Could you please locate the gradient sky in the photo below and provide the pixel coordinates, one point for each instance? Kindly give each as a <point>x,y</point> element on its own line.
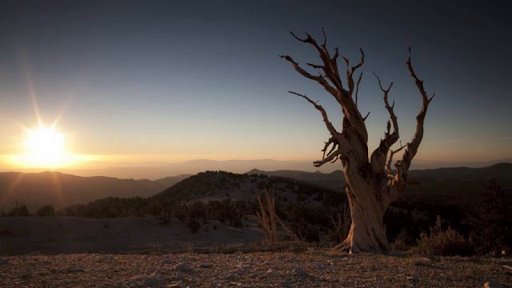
<point>156,81</point>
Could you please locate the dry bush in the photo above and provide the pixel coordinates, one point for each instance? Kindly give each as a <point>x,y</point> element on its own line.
<point>492,221</point>
<point>399,245</point>
<point>193,225</point>
<point>340,221</point>
<point>46,211</point>
<point>441,242</point>
<point>417,261</point>
<point>269,221</point>
<point>403,241</point>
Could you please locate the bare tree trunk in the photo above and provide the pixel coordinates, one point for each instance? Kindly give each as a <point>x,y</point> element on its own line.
<point>367,231</point>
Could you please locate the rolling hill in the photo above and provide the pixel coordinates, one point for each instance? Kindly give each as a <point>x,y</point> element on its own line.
<point>58,189</point>
<point>219,185</point>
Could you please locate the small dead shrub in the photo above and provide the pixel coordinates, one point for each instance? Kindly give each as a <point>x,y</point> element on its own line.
<point>46,211</point>
<point>193,225</point>
<point>164,220</point>
<point>441,242</point>
<point>399,245</point>
<point>403,241</point>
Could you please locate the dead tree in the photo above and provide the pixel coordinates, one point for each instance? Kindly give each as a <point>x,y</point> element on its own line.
<point>372,185</point>
<point>269,220</point>
<point>266,217</point>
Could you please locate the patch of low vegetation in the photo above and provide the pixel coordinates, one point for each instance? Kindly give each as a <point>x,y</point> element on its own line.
<point>491,221</point>
<point>5,232</point>
<point>46,211</point>
<point>193,225</point>
<point>19,210</point>
<point>443,242</point>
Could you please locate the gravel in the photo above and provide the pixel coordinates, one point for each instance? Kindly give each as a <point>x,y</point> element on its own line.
<point>316,268</point>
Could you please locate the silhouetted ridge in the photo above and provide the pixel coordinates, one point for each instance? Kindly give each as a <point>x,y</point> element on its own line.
<point>217,185</point>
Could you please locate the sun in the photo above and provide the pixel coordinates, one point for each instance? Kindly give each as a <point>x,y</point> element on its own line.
<point>45,148</point>
<point>45,142</point>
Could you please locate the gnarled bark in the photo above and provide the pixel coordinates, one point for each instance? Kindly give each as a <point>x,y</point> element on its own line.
<point>372,185</point>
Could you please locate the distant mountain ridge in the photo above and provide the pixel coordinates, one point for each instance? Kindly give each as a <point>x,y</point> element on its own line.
<point>160,170</point>
<point>58,189</point>
<point>333,180</point>
<point>459,184</point>
<point>443,185</point>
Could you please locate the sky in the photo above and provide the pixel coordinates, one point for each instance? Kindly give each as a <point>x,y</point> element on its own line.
<point>138,82</point>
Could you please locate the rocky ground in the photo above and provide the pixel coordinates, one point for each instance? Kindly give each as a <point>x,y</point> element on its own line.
<point>313,268</point>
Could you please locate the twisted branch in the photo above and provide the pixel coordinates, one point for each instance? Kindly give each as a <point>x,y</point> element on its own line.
<point>400,180</point>
<point>379,155</point>
<point>319,107</point>
<point>391,154</point>
<point>320,79</point>
<point>412,147</point>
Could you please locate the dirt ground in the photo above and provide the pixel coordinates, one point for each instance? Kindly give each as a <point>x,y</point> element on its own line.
<point>313,268</point>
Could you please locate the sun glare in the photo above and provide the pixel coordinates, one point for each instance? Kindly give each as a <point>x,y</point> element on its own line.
<point>45,148</point>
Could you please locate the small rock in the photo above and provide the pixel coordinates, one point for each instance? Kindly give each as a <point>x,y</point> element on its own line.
<point>325,278</point>
<point>145,281</point>
<point>75,270</point>
<point>3,262</point>
<point>492,284</point>
<point>269,271</point>
<point>166,261</point>
<point>206,265</point>
<point>182,267</point>
<point>236,284</point>
<point>151,282</point>
<point>299,272</point>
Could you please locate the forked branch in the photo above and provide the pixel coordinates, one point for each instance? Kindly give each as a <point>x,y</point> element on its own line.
<point>352,70</point>
<point>402,166</point>
<point>320,79</point>
<point>329,78</point>
<point>391,154</point>
<point>412,147</point>
<point>378,158</point>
